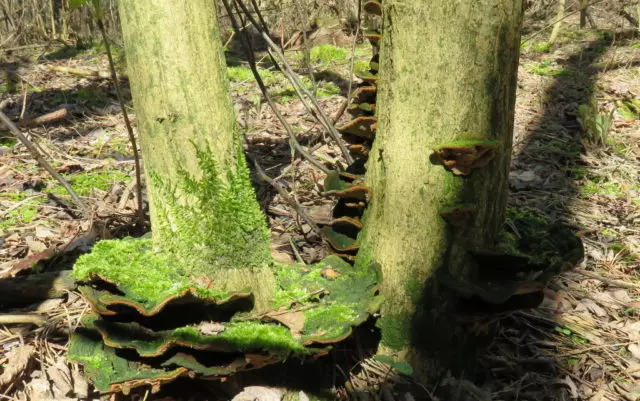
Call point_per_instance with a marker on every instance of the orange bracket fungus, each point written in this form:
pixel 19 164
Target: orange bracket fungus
pixel 363 127
pixel 373 7
pixel 462 157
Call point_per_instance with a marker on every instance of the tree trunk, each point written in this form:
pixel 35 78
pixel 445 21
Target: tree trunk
pixel 558 24
pixel 202 205
pixel 445 106
pixel 584 4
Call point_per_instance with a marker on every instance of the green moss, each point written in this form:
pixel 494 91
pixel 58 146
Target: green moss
pixel 84 183
pixel 24 214
pixel 629 109
pixel 146 276
pixel 394 328
pixel 6 139
pixel 330 306
pixel 243 74
pixel 547 67
pixel 543 243
pixel 106 370
pixel 211 223
pixel 413 289
pixel 323 89
pixel 360 65
pixel 468 142
pixel 543 47
pixel 327 54
pixel 248 337
pixel 593 187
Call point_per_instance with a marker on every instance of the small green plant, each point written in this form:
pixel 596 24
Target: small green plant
pixel 244 74
pixel 547 67
pixel 573 336
pixel 327 54
pixel 629 109
pixel 23 214
pixel 544 47
pixel 594 124
pixel 401 367
pixel 6 139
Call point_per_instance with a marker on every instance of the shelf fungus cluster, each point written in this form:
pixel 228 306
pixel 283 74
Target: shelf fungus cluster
pixel 360 131
pixel 149 327
pixel 513 274
pixel 348 187
pixel 462 157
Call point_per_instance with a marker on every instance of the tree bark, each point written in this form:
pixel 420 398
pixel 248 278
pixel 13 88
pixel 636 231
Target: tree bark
pixel 202 205
pixel 447 83
pixel 558 23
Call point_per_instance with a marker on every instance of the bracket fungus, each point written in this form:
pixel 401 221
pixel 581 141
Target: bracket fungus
pixel 514 274
pixel 309 311
pixel 459 215
pixel 363 127
pixel 462 157
pixel 365 94
pixel 373 7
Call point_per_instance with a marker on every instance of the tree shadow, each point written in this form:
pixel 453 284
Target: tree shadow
pixel 506 355
pixel 517 364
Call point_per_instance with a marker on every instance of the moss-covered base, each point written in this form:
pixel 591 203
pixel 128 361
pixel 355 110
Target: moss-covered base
pixel 137 293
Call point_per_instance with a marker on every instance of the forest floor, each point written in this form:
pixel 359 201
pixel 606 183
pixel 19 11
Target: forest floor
pixel 576 160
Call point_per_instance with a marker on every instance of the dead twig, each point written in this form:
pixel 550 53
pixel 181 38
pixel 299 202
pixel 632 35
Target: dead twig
pixel 252 65
pixel 45 118
pixel 346 102
pixel 11 318
pixel 609 281
pixel 285 195
pixel 307 98
pixel 31 147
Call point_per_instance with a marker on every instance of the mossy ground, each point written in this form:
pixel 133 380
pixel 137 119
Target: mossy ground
pixel 83 183
pixel 327 54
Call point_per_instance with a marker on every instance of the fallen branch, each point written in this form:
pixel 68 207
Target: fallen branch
pixel 24 318
pixel 25 290
pixel 609 281
pixel 79 71
pixel 31 147
pixel 45 118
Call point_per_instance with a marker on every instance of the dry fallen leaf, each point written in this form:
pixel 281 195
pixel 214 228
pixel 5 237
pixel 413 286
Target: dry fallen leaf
pixel 330 274
pixel 60 377
pixel 211 328
pixel 17 362
pixel 293 320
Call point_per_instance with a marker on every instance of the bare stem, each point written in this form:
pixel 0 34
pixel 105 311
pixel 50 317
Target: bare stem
pixel 285 195
pixel 346 102
pixel 293 141
pixel 305 96
pixel 31 147
pixel 127 122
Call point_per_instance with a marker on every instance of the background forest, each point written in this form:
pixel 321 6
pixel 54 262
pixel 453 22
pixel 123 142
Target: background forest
pixel 575 160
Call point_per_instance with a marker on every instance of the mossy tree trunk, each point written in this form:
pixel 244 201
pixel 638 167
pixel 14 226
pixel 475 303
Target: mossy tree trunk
pixel 439 165
pixel 203 208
